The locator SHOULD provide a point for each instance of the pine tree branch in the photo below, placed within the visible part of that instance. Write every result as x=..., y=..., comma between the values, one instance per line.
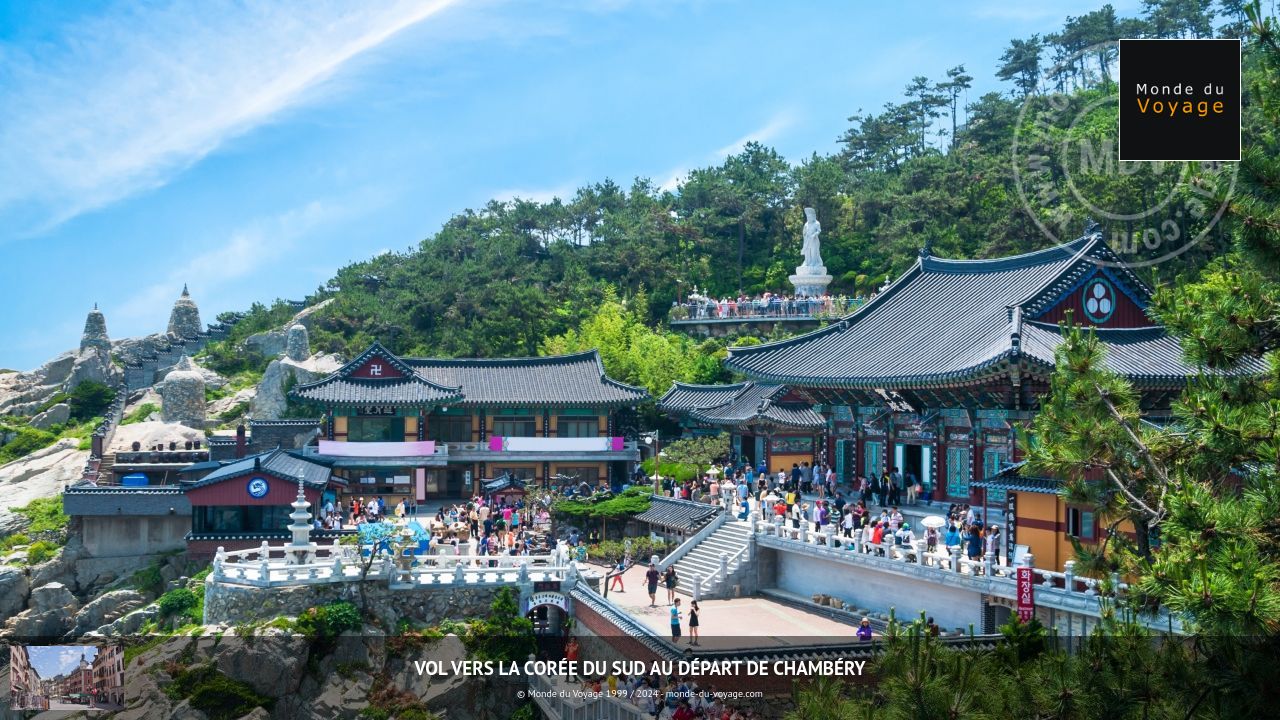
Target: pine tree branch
x=1154, y=516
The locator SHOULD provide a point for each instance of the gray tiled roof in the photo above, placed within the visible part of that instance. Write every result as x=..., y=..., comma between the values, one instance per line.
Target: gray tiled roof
x=411, y=389
x=82, y=500
x=1139, y=353
x=739, y=405
x=280, y=463
x=949, y=320
x=683, y=397
x=756, y=404
x=1012, y=478
x=556, y=380
x=673, y=513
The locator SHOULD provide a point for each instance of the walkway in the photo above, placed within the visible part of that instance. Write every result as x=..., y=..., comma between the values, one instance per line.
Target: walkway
x=732, y=623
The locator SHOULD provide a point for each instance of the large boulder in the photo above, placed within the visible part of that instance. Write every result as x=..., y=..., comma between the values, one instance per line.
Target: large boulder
x=52, y=596
x=270, y=402
x=107, y=608
x=38, y=475
x=13, y=591
x=226, y=404
x=57, y=415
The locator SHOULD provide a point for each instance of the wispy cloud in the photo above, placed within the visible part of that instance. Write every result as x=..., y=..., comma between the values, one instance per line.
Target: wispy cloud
x=771, y=129
x=564, y=191
x=129, y=99
x=247, y=251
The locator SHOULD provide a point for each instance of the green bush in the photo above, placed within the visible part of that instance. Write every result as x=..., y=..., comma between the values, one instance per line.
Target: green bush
x=177, y=601
x=215, y=694
x=41, y=551
x=148, y=579
x=26, y=441
x=141, y=413
x=90, y=398
x=328, y=621
x=14, y=540
x=44, y=514
x=641, y=548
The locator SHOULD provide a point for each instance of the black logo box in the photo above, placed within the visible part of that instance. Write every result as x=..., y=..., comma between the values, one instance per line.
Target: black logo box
x=1186, y=69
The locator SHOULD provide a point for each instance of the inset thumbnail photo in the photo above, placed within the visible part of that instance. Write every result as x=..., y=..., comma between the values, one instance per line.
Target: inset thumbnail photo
x=66, y=677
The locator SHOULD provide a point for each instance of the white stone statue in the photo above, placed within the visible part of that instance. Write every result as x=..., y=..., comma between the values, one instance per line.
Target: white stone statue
x=811, y=278
x=812, y=247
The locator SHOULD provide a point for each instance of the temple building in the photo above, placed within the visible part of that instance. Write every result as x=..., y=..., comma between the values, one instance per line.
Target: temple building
x=766, y=423
x=941, y=373
x=240, y=504
x=418, y=428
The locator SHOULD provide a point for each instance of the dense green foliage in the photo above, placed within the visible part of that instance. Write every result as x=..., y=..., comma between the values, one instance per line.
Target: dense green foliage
x=697, y=453
x=1117, y=672
x=504, y=635
x=629, y=502
x=26, y=440
x=328, y=621
x=140, y=413
x=216, y=695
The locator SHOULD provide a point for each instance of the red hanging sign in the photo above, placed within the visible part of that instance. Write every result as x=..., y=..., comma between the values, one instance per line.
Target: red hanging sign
x=1026, y=595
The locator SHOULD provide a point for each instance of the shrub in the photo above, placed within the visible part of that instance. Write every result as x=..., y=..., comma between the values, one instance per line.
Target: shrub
x=177, y=601
x=26, y=441
x=13, y=541
x=328, y=621
x=44, y=514
x=215, y=694
x=41, y=551
x=90, y=398
x=141, y=413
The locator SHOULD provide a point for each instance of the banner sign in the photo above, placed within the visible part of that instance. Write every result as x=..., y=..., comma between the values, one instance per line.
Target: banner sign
x=1026, y=595
x=377, y=449
x=537, y=444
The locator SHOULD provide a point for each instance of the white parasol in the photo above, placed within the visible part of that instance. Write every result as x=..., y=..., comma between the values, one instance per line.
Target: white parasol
x=934, y=521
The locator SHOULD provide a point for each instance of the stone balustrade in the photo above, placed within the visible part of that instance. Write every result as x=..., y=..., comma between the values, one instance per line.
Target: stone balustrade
x=310, y=564
x=1061, y=589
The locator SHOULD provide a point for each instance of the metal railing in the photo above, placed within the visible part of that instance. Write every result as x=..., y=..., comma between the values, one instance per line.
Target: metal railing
x=761, y=309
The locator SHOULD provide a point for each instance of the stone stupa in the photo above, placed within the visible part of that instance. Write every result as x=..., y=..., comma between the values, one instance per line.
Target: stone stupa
x=184, y=320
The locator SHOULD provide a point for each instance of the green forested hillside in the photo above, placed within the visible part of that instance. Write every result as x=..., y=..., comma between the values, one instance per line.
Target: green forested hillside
x=929, y=170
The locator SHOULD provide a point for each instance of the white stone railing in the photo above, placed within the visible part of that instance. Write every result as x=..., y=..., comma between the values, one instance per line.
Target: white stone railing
x=692, y=541
x=728, y=565
x=287, y=565
x=949, y=562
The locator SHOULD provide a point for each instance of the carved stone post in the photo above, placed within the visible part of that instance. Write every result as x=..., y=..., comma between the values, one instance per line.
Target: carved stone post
x=955, y=559
x=988, y=559
x=1069, y=576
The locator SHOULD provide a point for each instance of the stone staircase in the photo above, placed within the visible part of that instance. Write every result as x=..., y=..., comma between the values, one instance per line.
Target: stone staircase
x=703, y=560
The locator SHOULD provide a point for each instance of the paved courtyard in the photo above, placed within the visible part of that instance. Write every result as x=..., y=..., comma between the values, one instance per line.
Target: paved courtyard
x=734, y=623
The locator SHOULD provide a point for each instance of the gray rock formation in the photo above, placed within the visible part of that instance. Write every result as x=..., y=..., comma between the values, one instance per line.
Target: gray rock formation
x=57, y=415
x=270, y=402
x=107, y=608
x=297, y=345
x=13, y=591
x=183, y=395
x=95, y=332
x=52, y=596
x=23, y=393
x=184, y=319
x=38, y=475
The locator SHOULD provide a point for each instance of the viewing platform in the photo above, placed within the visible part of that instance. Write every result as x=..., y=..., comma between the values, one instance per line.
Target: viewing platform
x=709, y=317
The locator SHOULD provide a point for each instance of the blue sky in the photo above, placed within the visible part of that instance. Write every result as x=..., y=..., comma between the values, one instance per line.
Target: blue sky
x=252, y=149
x=50, y=660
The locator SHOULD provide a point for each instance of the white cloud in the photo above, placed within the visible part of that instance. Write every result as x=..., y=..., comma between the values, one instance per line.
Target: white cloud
x=246, y=251
x=564, y=191
x=772, y=128
x=128, y=100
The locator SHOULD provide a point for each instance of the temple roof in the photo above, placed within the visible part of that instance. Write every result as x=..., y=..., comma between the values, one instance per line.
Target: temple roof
x=947, y=322
x=686, y=396
x=674, y=513
x=557, y=380
x=280, y=463
x=1012, y=478
x=740, y=405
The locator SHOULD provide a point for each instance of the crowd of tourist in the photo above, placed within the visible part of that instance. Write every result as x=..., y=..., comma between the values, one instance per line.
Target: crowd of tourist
x=786, y=497
x=761, y=306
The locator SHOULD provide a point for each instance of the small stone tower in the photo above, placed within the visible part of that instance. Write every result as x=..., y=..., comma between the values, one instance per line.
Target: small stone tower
x=182, y=397
x=184, y=321
x=95, y=332
x=297, y=343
